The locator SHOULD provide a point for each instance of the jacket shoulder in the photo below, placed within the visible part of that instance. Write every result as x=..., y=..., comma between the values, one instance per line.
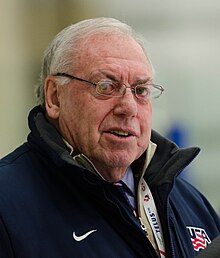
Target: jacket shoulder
x=14, y=163
x=13, y=156
x=194, y=208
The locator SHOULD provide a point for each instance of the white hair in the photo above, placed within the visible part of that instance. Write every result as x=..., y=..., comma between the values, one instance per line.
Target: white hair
x=59, y=55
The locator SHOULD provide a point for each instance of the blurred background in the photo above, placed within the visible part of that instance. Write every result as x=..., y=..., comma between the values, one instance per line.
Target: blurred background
x=183, y=41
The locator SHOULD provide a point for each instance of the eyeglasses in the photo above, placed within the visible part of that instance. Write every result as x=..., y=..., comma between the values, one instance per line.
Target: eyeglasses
x=108, y=88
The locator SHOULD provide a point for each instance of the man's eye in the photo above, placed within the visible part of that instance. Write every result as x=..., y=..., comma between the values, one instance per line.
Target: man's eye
x=105, y=87
x=142, y=91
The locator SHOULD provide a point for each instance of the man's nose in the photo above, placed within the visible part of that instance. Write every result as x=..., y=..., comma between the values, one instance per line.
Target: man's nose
x=126, y=105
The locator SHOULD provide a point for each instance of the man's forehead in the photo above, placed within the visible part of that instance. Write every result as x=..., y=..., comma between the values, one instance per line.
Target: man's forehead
x=111, y=51
x=113, y=44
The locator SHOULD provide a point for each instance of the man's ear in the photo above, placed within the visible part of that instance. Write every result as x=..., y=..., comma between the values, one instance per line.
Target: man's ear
x=51, y=97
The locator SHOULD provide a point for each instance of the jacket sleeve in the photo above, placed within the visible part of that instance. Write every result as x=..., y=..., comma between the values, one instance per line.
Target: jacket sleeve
x=213, y=250
x=197, y=207
x=6, y=250
x=213, y=212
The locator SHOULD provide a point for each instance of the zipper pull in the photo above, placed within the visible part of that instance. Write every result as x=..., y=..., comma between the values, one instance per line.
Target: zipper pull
x=141, y=223
x=143, y=226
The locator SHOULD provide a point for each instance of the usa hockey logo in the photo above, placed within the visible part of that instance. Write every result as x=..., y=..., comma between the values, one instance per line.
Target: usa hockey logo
x=199, y=238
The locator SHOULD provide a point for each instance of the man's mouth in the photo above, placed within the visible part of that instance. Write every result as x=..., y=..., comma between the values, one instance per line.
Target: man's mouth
x=120, y=133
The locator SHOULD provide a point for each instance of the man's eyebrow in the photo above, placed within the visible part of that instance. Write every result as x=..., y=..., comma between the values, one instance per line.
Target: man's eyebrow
x=143, y=81
x=109, y=76
x=136, y=81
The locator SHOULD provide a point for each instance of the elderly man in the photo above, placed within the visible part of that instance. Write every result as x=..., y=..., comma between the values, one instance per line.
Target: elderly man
x=93, y=180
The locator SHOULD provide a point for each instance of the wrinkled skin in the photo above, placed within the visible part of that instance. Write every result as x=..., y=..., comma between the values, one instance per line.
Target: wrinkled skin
x=87, y=121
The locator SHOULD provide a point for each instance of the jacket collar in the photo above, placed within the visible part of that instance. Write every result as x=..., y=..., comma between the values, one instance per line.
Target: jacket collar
x=159, y=164
x=168, y=161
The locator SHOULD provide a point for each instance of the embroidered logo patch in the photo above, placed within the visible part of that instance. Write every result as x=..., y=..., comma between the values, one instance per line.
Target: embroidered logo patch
x=199, y=238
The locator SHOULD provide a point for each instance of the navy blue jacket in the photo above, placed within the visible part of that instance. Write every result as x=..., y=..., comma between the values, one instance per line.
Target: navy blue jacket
x=45, y=197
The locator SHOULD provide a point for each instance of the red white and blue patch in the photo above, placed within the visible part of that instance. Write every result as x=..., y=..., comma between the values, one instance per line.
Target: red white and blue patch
x=199, y=238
